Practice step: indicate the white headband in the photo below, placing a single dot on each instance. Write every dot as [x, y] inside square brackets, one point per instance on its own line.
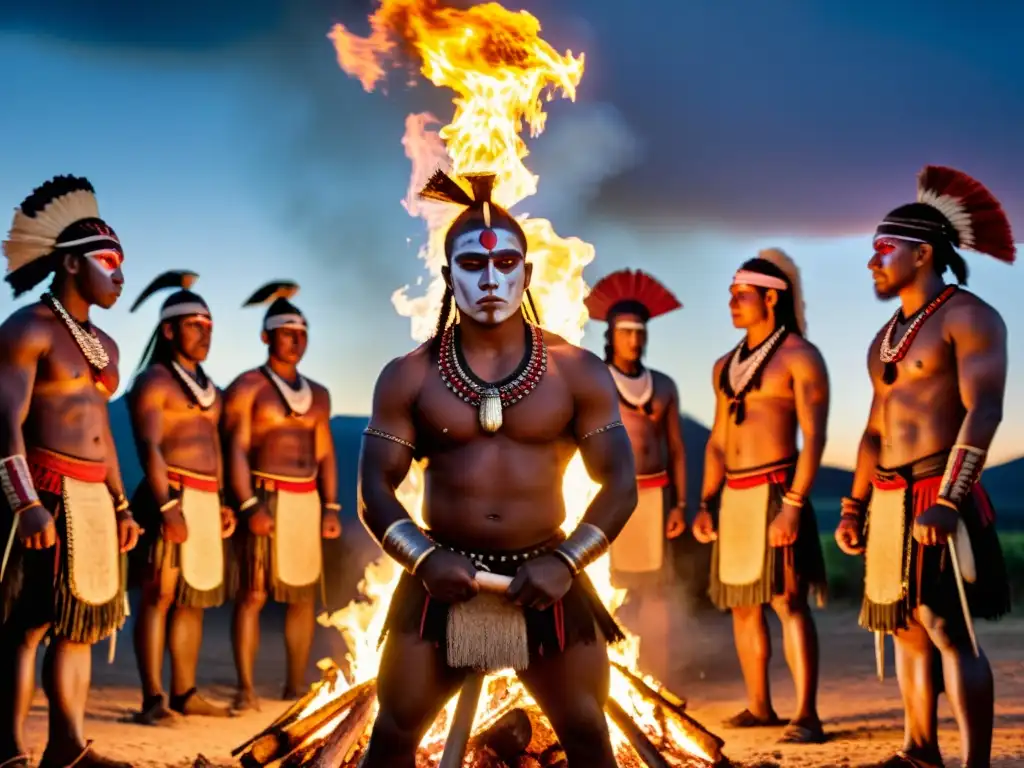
[284, 321]
[631, 325]
[89, 239]
[898, 237]
[746, 277]
[187, 308]
[476, 241]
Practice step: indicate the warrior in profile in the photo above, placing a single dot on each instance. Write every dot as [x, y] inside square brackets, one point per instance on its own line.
[180, 564]
[282, 475]
[65, 505]
[641, 560]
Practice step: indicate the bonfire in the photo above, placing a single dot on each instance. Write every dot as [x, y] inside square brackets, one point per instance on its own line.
[501, 71]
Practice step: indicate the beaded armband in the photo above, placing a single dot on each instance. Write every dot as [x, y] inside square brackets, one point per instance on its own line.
[371, 432]
[963, 469]
[600, 430]
[584, 545]
[17, 483]
[406, 544]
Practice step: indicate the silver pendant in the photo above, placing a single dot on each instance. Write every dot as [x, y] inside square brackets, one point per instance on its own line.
[490, 410]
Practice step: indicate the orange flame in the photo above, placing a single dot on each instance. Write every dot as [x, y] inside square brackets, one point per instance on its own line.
[500, 70]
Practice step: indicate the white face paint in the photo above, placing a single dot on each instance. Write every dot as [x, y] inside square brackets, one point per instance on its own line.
[488, 284]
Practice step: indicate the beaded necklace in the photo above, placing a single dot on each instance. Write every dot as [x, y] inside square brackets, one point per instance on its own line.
[890, 355]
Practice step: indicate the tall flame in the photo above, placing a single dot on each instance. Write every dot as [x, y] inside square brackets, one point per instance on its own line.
[500, 70]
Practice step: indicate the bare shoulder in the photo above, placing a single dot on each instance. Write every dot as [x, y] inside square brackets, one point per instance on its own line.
[969, 317]
[155, 378]
[802, 356]
[30, 327]
[245, 385]
[321, 395]
[402, 377]
[719, 366]
[663, 382]
[581, 368]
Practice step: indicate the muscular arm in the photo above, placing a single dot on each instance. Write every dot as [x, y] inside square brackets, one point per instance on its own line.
[384, 463]
[714, 451]
[607, 455]
[21, 348]
[146, 404]
[237, 427]
[979, 342]
[115, 481]
[811, 393]
[868, 452]
[327, 468]
[676, 447]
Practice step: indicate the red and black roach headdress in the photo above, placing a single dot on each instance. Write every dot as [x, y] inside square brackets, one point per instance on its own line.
[952, 211]
[60, 217]
[483, 227]
[629, 292]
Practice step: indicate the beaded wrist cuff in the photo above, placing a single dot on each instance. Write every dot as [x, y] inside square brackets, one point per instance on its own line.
[406, 544]
[962, 471]
[794, 499]
[249, 503]
[16, 480]
[584, 545]
[852, 507]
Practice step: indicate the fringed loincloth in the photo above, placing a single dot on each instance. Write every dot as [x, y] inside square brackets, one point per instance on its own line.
[201, 561]
[745, 570]
[579, 617]
[292, 557]
[78, 586]
[901, 574]
[638, 554]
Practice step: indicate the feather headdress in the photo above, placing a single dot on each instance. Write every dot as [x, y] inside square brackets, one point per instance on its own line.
[180, 303]
[61, 215]
[952, 209]
[281, 313]
[632, 291]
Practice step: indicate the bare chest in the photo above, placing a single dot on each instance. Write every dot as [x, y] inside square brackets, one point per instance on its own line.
[771, 380]
[65, 368]
[271, 413]
[181, 409]
[444, 419]
[927, 355]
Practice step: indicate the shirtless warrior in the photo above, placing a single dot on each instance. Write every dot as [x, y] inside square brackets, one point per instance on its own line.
[627, 301]
[175, 411]
[282, 474]
[756, 505]
[938, 370]
[497, 407]
[65, 506]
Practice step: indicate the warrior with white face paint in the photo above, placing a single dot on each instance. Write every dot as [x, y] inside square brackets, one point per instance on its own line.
[524, 401]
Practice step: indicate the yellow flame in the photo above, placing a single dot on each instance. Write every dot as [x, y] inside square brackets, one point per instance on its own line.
[500, 70]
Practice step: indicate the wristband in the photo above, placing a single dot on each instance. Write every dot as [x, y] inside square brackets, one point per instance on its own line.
[962, 471]
[794, 499]
[333, 506]
[16, 480]
[406, 544]
[121, 504]
[249, 503]
[168, 505]
[584, 545]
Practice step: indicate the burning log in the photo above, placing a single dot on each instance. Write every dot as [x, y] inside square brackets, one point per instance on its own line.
[637, 738]
[508, 737]
[660, 695]
[280, 741]
[462, 724]
[337, 747]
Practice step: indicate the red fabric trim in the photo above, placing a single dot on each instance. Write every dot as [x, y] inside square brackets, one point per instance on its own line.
[894, 483]
[296, 485]
[659, 480]
[48, 468]
[191, 480]
[925, 493]
[423, 616]
[775, 477]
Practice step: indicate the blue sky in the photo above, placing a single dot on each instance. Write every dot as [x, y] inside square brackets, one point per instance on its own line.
[223, 138]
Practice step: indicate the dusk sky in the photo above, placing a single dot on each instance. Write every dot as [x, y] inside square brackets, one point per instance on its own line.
[224, 138]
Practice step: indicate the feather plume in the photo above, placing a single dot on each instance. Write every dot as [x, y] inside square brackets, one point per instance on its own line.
[43, 215]
[267, 294]
[482, 185]
[977, 216]
[442, 188]
[179, 278]
[789, 269]
[629, 285]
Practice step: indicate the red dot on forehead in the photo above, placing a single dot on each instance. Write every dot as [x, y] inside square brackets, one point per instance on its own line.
[488, 239]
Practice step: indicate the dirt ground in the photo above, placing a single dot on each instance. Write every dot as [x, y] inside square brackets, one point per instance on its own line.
[862, 716]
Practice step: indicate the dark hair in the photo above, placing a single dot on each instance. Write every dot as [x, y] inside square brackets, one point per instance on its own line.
[160, 349]
[33, 273]
[529, 307]
[785, 308]
[626, 307]
[937, 230]
[944, 256]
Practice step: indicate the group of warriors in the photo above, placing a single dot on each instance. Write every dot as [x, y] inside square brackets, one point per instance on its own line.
[240, 487]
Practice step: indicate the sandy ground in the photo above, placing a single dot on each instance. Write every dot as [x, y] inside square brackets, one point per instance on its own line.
[862, 716]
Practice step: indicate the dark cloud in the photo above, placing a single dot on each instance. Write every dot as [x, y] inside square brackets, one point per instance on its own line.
[788, 116]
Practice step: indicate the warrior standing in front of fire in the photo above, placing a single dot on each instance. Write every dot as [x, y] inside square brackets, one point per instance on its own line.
[180, 565]
[640, 560]
[65, 504]
[282, 474]
[938, 369]
[756, 505]
[498, 426]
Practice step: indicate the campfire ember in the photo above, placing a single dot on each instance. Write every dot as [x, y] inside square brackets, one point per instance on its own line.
[501, 70]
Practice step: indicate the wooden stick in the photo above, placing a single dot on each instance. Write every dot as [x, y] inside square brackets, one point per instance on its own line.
[492, 582]
[637, 738]
[880, 655]
[338, 746]
[462, 724]
[660, 695]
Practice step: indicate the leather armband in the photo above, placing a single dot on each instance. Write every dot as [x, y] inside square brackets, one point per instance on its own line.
[406, 544]
[963, 469]
[584, 545]
[16, 480]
